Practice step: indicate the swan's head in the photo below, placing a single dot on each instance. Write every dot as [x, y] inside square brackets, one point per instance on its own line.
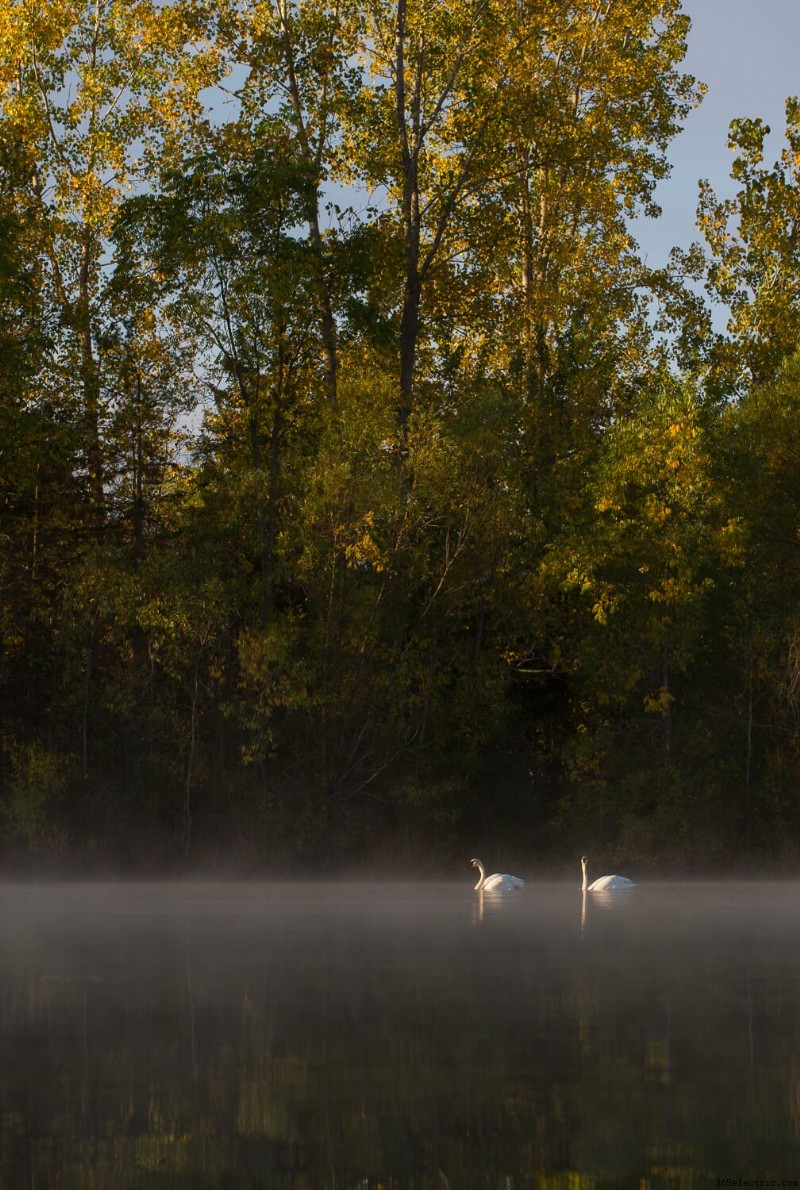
[476, 863]
[583, 861]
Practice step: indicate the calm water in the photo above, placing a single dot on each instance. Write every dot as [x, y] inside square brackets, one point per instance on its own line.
[364, 1036]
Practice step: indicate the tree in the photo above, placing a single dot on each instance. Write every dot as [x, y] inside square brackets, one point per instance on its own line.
[38, 500]
[418, 131]
[85, 86]
[754, 256]
[645, 569]
[299, 58]
[758, 466]
[510, 144]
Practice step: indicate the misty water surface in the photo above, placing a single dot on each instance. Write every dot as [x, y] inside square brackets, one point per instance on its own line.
[398, 1035]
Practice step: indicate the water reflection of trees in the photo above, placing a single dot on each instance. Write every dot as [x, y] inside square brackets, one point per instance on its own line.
[358, 1063]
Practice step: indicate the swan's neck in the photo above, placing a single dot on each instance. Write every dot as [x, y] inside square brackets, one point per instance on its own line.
[482, 876]
[585, 884]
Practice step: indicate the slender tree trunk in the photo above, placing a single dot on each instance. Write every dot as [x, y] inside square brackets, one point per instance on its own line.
[264, 506]
[151, 711]
[748, 767]
[327, 321]
[190, 761]
[137, 495]
[313, 155]
[268, 592]
[665, 678]
[422, 730]
[254, 427]
[90, 382]
[409, 334]
[410, 143]
[87, 683]
[35, 536]
[533, 384]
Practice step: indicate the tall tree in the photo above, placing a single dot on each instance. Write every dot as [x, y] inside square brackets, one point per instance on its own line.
[86, 87]
[585, 120]
[643, 572]
[239, 284]
[300, 70]
[753, 268]
[419, 133]
[514, 141]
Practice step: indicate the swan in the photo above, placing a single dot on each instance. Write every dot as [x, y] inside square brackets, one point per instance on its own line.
[497, 883]
[604, 883]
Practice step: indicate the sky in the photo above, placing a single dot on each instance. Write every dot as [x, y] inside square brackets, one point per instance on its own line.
[748, 54]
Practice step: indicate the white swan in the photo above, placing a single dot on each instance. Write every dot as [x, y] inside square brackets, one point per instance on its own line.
[500, 882]
[604, 883]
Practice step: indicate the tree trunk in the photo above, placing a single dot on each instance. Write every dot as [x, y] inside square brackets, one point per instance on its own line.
[313, 156]
[410, 143]
[90, 382]
[187, 790]
[325, 310]
[665, 676]
[87, 682]
[409, 334]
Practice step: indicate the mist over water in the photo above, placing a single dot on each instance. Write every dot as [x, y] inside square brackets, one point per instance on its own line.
[421, 1035]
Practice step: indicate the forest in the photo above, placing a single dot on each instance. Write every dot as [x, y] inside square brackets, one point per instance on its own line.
[365, 497]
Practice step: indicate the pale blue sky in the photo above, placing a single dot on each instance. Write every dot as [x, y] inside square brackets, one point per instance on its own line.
[748, 53]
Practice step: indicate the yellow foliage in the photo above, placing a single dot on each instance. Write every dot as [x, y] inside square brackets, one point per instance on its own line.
[658, 704]
[363, 549]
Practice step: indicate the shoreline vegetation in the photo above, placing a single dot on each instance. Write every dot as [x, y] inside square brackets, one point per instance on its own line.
[365, 499]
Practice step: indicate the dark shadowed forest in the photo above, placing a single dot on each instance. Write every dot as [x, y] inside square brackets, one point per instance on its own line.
[364, 496]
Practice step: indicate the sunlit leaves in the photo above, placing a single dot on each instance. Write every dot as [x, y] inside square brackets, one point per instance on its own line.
[95, 84]
[363, 495]
[754, 265]
[644, 564]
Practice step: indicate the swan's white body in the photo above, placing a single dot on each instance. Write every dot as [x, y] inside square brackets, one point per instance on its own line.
[604, 883]
[500, 882]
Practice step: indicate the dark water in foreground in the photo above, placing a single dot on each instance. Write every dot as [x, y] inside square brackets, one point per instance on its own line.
[365, 1036]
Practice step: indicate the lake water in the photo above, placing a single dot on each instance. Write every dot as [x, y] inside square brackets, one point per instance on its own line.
[387, 1036]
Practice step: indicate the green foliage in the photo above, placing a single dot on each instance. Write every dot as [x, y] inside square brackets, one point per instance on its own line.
[319, 526]
[33, 808]
[754, 264]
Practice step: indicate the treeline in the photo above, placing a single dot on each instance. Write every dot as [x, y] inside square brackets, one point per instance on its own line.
[360, 485]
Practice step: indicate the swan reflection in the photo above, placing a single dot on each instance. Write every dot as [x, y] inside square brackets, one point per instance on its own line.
[604, 902]
[488, 904]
